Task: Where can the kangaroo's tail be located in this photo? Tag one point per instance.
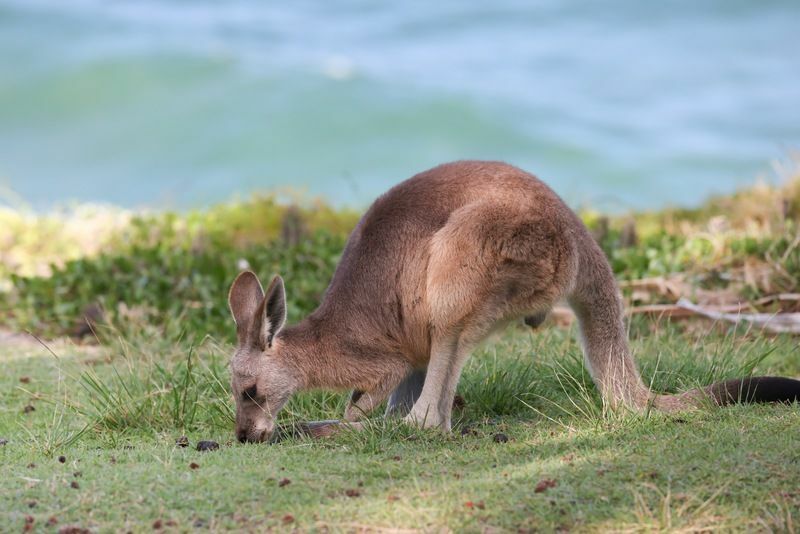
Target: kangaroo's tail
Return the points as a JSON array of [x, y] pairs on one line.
[[597, 303], [754, 389]]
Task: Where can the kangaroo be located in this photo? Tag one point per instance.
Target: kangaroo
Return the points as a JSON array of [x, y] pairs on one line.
[[436, 265]]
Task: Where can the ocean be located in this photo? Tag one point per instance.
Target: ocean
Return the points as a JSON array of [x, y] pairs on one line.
[[177, 104]]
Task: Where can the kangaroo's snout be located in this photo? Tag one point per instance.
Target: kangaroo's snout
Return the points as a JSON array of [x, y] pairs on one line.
[[251, 434]]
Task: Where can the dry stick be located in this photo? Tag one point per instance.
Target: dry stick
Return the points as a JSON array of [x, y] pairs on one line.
[[779, 323]]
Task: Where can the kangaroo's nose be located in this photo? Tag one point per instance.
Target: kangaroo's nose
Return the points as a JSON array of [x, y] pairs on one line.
[[241, 435]]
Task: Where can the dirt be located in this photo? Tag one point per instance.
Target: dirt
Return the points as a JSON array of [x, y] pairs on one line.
[[544, 485], [468, 430], [500, 438], [182, 442], [207, 445]]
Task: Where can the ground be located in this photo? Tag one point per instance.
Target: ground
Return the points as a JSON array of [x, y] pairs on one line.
[[98, 450]]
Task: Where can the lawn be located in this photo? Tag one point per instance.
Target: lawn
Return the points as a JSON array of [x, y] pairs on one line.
[[98, 449], [131, 308]]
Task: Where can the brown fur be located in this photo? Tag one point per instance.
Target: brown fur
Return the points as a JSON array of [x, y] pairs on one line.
[[433, 267]]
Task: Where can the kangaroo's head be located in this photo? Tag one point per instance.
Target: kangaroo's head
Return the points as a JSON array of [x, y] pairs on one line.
[[260, 379]]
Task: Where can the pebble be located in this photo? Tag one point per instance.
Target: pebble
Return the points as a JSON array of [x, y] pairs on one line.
[[207, 446]]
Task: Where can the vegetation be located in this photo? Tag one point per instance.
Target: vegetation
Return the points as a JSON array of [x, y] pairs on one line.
[[90, 423]]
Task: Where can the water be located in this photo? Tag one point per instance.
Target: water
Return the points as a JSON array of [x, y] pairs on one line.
[[168, 103]]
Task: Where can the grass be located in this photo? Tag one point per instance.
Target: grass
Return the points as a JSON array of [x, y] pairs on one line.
[[153, 367], [114, 413]]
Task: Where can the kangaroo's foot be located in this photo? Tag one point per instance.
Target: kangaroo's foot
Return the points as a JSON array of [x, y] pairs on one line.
[[425, 415]]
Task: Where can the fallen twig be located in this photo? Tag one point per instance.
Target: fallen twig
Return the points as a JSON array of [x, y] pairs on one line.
[[779, 323]]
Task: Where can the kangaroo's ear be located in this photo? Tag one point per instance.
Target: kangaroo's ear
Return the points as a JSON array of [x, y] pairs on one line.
[[272, 313], [244, 300]]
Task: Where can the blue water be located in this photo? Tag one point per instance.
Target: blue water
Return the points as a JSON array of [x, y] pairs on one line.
[[169, 103]]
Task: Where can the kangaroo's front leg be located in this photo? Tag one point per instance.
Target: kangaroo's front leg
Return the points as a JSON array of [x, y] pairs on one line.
[[434, 407], [363, 402]]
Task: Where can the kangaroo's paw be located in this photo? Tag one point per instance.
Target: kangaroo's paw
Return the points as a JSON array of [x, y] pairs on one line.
[[427, 418]]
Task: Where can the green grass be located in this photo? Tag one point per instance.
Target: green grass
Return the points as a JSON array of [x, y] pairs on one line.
[[114, 413]]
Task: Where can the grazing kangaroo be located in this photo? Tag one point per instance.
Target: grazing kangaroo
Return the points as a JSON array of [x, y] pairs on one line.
[[434, 266]]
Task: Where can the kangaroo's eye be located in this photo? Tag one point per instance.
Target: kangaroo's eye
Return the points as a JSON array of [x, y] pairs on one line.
[[250, 393]]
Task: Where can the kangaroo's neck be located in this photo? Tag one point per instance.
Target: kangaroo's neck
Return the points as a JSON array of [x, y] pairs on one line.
[[320, 357]]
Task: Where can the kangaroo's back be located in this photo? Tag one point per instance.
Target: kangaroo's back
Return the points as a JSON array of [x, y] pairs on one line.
[[400, 265]]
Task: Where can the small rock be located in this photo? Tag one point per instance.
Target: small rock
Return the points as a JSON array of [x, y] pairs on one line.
[[62, 459], [29, 408], [284, 482], [207, 446], [3, 442], [500, 438], [182, 442]]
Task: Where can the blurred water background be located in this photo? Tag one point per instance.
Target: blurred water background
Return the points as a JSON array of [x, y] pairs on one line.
[[170, 103]]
